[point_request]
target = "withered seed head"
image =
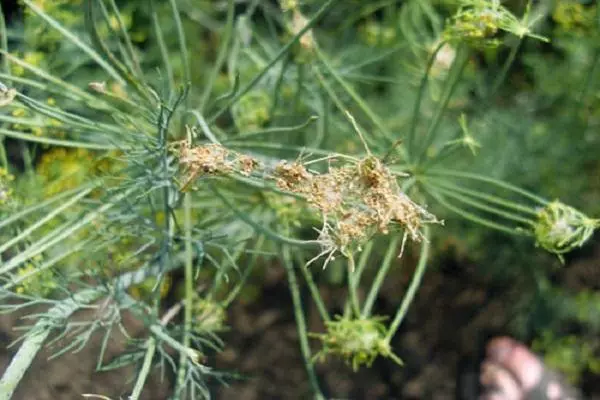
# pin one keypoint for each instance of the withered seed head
(356, 200)
(212, 159)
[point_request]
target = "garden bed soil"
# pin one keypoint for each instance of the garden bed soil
(441, 342)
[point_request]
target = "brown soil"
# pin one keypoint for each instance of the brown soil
(440, 342)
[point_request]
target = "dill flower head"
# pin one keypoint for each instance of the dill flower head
(560, 228)
(479, 22)
(252, 111)
(6, 191)
(357, 341)
(573, 17)
(209, 316)
(33, 280)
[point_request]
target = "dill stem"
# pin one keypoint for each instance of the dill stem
(189, 286)
(301, 322)
(314, 290)
(145, 370)
(380, 277)
(353, 286)
(412, 288)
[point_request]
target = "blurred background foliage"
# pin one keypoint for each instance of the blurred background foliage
(540, 130)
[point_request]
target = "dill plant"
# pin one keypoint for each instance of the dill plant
(156, 156)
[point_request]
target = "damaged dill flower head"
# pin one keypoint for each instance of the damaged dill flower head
(211, 159)
(356, 201)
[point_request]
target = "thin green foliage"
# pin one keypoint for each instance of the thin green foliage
(221, 141)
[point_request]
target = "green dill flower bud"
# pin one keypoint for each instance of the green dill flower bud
(35, 281)
(376, 34)
(6, 95)
(358, 341)
(209, 316)
(146, 289)
(252, 111)
(478, 23)
(572, 17)
(5, 189)
(560, 228)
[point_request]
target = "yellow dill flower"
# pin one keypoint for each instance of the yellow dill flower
(62, 169)
(19, 112)
(5, 189)
(573, 17)
(33, 281)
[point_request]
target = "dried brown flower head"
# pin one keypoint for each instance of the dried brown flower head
(356, 200)
(212, 159)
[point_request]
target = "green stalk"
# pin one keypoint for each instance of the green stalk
(362, 261)
(41, 205)
(41, 245)
(481, 206)
(314, 290)
(279, 129)
(221, 56)
(357, 98)
(3, 158)
(282, 52)
(189, 286)
(183, 49)
(410, 141)
(4, 41)
(473, 217)
(507, 64)
(249, 268)
(300, 77)
(337, 101)
(40, 222)
(454, 76)
(441, 183)
(257, 226)
(34, 341)
(353, 286)
(301, 322)
(145, 370)
(380, 277)
(412, 288)
(135, 63)
(490, 180)
(162, 47)
(6, 70)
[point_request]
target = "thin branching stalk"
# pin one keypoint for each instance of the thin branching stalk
(36, 338)
(380, 277)
(145, 370)
(221, 56)
(38, 334)
(486, 179)
(282, 52)
(506, 67)
(410, 138)
(353, 286)
(454, 76)
(413, 286)
(301, 322)
(314, 290)
(189, 285)
(446, 184)
(356, 97)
